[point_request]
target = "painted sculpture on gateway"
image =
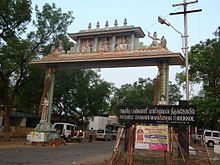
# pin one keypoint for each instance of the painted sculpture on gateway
(44, 110)
(87, 45)
(59, 49)
(122, 43)
(163, 41)
(105, 45)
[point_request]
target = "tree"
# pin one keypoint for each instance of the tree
(174, 93)
(138, 94)
(31, 86)
(35, 79)
(14, 16)
(13, 58)
(204, 61)
(80, 93)
(208, 112)
(205, 65)
(17, 52)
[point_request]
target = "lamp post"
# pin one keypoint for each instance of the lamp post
(162, 20)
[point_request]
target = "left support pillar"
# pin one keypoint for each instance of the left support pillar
(45, 131)
(46, 103)
(50, 97)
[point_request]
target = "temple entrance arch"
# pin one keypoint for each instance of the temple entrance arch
(108, 47)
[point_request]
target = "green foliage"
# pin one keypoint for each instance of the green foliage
(14, 16)
(30, 92)
(49, 23)
(138, 94)
(80, 93)
(16, 51)
(55, 42)
(35, 79)
(205, 68)
(204, 60)
(14, 64)
(208, 112)
(174, 93)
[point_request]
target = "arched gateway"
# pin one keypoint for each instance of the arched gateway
(107, 47)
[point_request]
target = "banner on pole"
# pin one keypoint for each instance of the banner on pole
(152, 138)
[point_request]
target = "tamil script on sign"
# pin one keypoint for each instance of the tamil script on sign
(159, 114)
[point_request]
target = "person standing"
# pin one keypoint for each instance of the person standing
(91, 133)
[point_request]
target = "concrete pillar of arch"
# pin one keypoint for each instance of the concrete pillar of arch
(50, 97)
(47, 96)
(78, 46)
(163, 79)
(95, 44)
(113, 43)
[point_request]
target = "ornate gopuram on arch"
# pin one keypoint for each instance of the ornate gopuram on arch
(107, 47)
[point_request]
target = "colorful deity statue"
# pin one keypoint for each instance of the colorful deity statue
(105, 45)
(154, 38)
(44, 110)
(163, 41)
(122, 43)
(87, 45)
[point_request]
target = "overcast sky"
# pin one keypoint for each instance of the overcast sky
(143, 13)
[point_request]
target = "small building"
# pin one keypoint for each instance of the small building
(20, 123)
(22, 119)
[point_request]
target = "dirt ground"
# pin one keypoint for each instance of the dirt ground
(14, 143)
(157, 158)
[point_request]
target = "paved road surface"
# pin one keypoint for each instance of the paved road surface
(62, 155)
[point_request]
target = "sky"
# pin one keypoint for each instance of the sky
(144, 14)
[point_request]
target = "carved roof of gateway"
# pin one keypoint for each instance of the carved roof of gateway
(108, 30)
(117, 46)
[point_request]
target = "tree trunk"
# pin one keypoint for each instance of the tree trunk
(6, 112)
(6, 124)
(6, 117)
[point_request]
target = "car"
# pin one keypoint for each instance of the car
(211, 137)
(104, 134)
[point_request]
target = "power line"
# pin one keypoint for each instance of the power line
(157, 21)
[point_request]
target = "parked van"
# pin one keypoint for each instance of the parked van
(69, 132)
(104, 134)
(211, 137)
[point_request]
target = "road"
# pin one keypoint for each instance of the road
(62, 155)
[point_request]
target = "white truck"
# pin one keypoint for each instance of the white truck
(211, 137)
(69, 132)
(100, 122)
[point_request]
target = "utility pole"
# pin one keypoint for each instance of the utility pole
(185, 48)
(184, 133)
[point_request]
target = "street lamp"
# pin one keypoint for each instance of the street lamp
(162, 20)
